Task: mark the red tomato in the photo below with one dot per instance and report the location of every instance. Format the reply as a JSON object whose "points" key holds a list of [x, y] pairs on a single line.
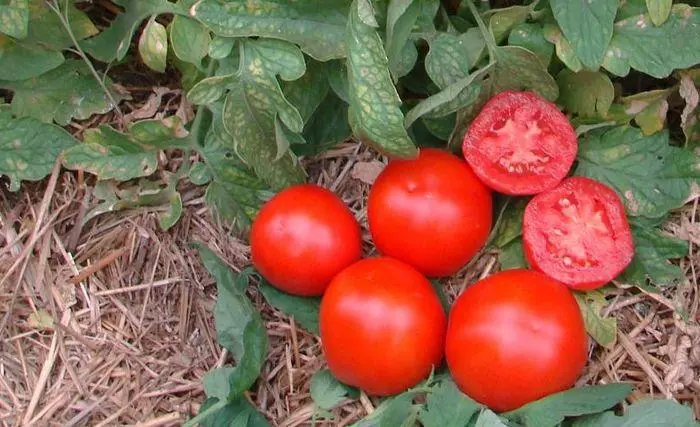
{"points": [[303, 237], [515, 337], [382, 326], [520, 144], [578, 233], [431, 212]]}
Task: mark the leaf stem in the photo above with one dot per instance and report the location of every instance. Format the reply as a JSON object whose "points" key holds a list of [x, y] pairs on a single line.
{"points": [[202, 415], [488, 38], [64, 21]]}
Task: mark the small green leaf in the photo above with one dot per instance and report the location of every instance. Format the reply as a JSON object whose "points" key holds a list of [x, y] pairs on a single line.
{"points": [[659, 10], [588, 26], [488, 418], [327, 127], [239, 327], [170, 217], [652, 250], [531, 37], [199, 174], [602, 329], [565, 52], [503, 20], [190, 40], [113, 43], [401, 17], [518, 68], [586, 93], [221, 47], [236, 413], [651, 176], [394, 411], [153, 46], [22, 60], [644, 413], [304, 310], [656, 51], [65, 93], [28, 148], [446, 406], [648, 109], [511, 223], [375, 116], [327, 391], [512, 256], [448, 59], [317, 26], [14, 18], [551, 410], [440, 127], [307, 93], [46, 29], [337, 73]]}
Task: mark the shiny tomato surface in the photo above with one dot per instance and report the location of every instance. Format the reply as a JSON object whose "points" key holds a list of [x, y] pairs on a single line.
{"points": [[382, 326], [515, 337], [520, 144], [302, 237], [578, 233], [431, 212]]}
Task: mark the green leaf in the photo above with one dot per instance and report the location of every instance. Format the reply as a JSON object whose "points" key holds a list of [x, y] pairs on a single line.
{"points": [[199, 174], [307, 93], [656, 51], [317, 26], [338, 79], [518, 68], [236, 413], [375, 116], [588, 26], [512, 256], [659, 10], [511, 223], [446, 406], [652, 250], [551, 410], [221, 47], [153, 46], [503, 20], [488, 418], [14, 18], [648, 109], [170, 217], [644, 413], [440, 127], [327, 127], [46, 29], [602, 329], [448, 59], [113, 155], [21, 60], [28, 148], [586, 93], [327, 391], [113, 43], [650, 176], [565, 52], [65, 93], [190, 40], [401, 17], [393, 411], [531, 37], [303, 310], [239, 327]]}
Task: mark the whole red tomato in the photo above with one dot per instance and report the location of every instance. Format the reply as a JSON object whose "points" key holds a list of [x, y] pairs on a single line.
{"points": [[382, 326], [302, 237], [431, 212], [515, 337], [520, 143]]}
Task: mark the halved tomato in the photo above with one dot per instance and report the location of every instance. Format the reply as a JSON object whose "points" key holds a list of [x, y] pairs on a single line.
{"points": [[520, 144], [578, 233]]}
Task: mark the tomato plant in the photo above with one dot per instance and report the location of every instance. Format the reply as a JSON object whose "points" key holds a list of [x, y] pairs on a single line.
{"points": [[578, 233], [382, 326], [302, 237], [431, 212], [515, 337], [520, 143]]}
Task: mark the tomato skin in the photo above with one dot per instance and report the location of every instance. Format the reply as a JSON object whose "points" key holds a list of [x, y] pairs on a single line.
{"points": [[520, 144], [594, 228], [382, 326], [302, 237], [431, 212], [515, 337]]}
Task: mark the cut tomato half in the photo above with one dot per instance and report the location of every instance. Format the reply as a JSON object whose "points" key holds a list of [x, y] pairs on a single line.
{"points": [[578, 233], [520, 144]]}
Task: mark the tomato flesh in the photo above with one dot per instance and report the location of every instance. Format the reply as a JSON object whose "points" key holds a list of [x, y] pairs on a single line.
{"points": [[520, 144], [302, 237], [515, 337], [578, 233], [382, 326]]}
